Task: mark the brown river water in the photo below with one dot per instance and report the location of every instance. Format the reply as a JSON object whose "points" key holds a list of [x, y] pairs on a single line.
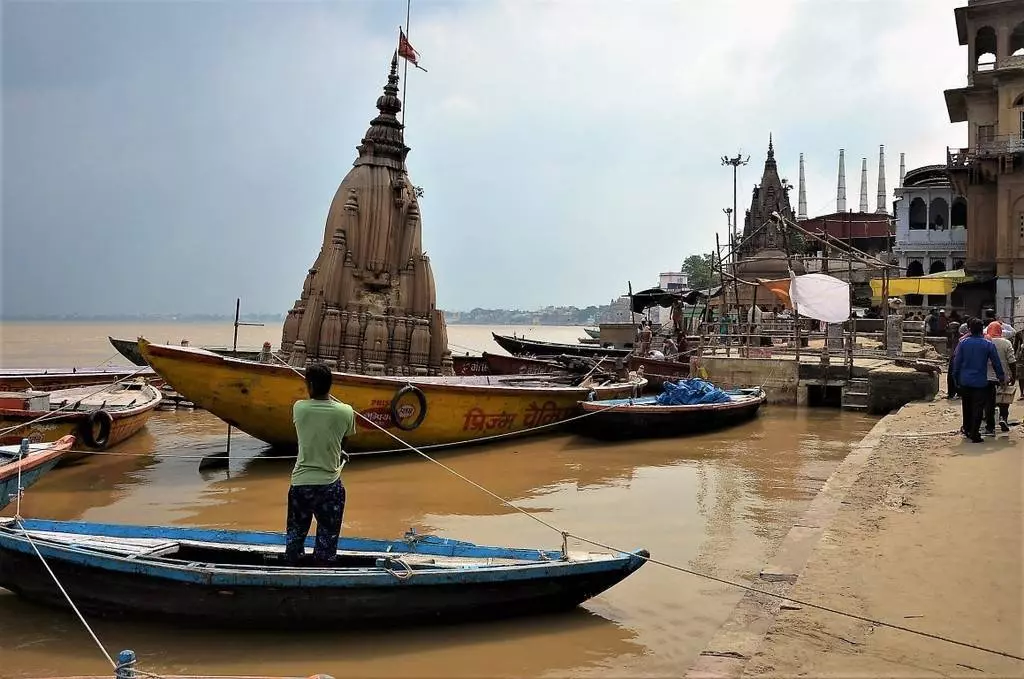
{"points": [[718, 503]]}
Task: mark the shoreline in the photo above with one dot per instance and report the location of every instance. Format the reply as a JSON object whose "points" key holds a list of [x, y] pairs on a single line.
{"points": [[912, 509]]}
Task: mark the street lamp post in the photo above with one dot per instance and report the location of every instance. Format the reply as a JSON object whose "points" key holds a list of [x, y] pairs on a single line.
{"points": [[735, 162]]}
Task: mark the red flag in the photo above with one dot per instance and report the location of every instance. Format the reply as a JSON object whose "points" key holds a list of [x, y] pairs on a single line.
{"points": [[406, 51]]}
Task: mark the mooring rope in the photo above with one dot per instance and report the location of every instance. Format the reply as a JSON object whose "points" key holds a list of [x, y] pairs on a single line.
{"points": [[566, 534], [70, 404]]}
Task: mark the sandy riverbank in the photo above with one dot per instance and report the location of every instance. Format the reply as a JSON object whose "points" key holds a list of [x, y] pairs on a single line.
{"points": [[929, 536]]}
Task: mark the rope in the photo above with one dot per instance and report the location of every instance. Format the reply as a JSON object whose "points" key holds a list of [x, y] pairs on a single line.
{"points": [[64, 407], [24, 531], [565, 535]]}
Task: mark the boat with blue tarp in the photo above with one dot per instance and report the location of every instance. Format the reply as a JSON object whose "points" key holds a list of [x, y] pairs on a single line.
{"points": [[684, 407], [231, 578]]}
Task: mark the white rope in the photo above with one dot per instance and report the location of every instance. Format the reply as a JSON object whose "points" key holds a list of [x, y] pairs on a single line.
{"points": [[17, 520], [74, 403]]}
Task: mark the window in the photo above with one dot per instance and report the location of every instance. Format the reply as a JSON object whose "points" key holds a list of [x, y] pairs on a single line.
{"points": [[986, 133]]}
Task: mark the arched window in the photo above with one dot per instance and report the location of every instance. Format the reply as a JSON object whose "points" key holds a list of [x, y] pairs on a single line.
{"points": [[985, 48], [1019, 101], [938, 266], [958, 213], [918, 214], [915, 268], [938, 214], [1016, 48]]}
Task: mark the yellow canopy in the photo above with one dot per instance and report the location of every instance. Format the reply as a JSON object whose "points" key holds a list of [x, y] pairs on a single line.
{"points": [[941, 283]]}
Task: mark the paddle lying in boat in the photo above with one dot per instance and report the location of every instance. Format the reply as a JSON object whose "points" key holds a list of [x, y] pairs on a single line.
{"points": [[645, 417], [27, 468], [238, 578]]}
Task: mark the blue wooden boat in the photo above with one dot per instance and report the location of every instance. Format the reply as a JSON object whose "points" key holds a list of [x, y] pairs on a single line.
{"points": [[644, 417], [30, 467], [228, 578]]}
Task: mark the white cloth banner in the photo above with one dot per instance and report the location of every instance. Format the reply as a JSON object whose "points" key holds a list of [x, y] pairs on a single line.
{"points": [[819, 296]]}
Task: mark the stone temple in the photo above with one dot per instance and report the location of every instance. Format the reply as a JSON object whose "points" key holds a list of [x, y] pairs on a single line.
{"points": [[368, 305]]}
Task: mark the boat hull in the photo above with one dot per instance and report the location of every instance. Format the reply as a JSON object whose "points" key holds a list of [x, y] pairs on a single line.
{"points": [[518, 346], [520, 365], [258, 398], [252, 596], [130, 350], [471, 365], [655, 421], [69, 378], [32, 468], [124, 424]]}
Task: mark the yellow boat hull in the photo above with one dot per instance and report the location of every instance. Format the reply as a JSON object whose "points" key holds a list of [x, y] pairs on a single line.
{"points": [[257, 398]]}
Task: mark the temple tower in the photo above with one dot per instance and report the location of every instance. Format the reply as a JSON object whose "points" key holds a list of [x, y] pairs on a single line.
{"points": [[801, 212], [841, 189], [881, 207], [367, 304]]}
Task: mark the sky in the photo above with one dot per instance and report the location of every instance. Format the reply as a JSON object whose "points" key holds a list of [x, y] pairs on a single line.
{"points": [[168, 157]]}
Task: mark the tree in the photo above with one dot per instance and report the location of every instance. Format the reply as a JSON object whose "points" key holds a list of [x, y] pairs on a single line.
{"points": [[699, 270]]}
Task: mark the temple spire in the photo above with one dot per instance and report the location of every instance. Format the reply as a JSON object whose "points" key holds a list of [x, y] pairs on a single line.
{"points": [[903, 168], [384, 143], [881, 208], [801, 212], [771, 147], [841, 191], [863, 184]]}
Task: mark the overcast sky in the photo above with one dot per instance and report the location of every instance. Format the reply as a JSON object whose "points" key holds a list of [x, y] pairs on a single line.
{"points": [[168, 157]]}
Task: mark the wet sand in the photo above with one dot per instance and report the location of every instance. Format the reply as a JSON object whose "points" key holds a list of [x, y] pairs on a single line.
{"points": [[719, 502]]}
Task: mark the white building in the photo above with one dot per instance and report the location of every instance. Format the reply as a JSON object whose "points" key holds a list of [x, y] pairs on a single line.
{"points": [[931, 226]]}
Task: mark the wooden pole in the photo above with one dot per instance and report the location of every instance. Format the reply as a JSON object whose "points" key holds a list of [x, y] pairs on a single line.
{"points": [[721, 277], [405, 68]]}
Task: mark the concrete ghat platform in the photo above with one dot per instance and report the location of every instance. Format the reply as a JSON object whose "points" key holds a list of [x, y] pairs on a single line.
{"points": [[736, 641], [885, 386]]}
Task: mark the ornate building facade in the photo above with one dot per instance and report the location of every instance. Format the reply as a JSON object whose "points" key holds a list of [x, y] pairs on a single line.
{"points": [[989, 172], [367, 304]]}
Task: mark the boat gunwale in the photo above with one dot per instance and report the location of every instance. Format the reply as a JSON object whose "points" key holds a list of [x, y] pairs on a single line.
{"points": [[170, 352], [35, 459], [75, 415]]}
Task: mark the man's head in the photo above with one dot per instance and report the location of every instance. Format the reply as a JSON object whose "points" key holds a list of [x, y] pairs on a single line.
{"points": [[318, 380], [942, 312], [976, 326], [994, 329]]}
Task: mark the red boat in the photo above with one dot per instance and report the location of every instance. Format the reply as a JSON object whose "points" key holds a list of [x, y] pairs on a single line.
{"points": [[471, 365], [520, 365], [660, 370]]}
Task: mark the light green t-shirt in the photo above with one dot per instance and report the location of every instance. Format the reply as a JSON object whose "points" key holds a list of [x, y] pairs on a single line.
{"points": [[320, 426]]}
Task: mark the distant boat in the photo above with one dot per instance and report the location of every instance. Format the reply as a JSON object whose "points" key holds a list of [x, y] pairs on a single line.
{"points": [[48, 379], [26, 470], [130, 350], [98, 420], [593, 332], [644, 417], [230, 578], [518, 346]]}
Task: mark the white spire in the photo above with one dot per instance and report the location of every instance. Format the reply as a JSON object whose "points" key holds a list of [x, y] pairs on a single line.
{"points": [[841, 193], [864, 185], [801, 212], [881, 209], [903, 169]]}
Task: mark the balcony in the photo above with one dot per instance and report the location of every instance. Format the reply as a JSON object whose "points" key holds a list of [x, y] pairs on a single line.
{"points": [[943, 238], [992, 147], [989, 69]]}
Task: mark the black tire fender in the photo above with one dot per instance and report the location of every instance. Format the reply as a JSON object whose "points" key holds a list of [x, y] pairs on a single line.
{"points": [[88, 429], [395, 402]]}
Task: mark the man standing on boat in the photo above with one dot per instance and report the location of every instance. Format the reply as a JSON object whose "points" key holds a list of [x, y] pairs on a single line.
{"points": [[322, 424]]}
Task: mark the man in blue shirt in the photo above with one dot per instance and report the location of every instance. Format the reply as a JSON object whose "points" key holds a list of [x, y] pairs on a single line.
{"points": [[970, 371]]}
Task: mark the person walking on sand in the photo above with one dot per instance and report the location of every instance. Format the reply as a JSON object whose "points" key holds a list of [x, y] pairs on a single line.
{"points": [[970, 370], [1002, 395], [322, 425]]}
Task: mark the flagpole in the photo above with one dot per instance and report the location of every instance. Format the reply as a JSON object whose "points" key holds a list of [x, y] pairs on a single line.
{"points": [[405, 68]]}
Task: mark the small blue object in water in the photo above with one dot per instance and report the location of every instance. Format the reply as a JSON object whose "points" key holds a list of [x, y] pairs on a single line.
{"points": [[691, 392]]}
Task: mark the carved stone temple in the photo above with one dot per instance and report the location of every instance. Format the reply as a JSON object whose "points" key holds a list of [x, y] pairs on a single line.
{"points": [[368, 304]]}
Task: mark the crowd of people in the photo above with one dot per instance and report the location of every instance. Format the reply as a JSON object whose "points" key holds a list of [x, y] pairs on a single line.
{"points": [[982, 373]]}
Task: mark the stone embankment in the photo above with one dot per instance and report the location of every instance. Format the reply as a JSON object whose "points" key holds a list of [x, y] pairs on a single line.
{"points": [[918, 528]]}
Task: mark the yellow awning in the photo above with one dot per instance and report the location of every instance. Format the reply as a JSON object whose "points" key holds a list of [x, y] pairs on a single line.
{"points": [[922, 285]]}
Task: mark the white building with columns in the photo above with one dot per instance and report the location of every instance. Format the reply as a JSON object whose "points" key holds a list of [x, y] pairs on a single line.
{"points": [[931, 226]]}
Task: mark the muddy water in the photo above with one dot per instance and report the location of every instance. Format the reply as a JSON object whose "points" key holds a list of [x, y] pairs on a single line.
{"points": [[719, 503]]}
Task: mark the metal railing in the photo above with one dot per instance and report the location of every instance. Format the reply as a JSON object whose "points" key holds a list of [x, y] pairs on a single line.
{"points": [[985, 148]]}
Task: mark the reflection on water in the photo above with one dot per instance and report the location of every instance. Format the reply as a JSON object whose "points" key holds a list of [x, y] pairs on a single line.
{"points": [[718, 502]]}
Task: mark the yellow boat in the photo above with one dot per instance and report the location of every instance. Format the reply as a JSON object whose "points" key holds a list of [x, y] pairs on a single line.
{"points": [[423, 411]]}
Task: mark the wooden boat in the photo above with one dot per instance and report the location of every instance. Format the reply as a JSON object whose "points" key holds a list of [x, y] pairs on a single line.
{"points": [[48, 379], [643, 417], [423, 411], [518, 346], [471, 365], [26, 470], [99, 420], [130, 350], [593, 332], [500, 364], [239, 578], [659, 370]]}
